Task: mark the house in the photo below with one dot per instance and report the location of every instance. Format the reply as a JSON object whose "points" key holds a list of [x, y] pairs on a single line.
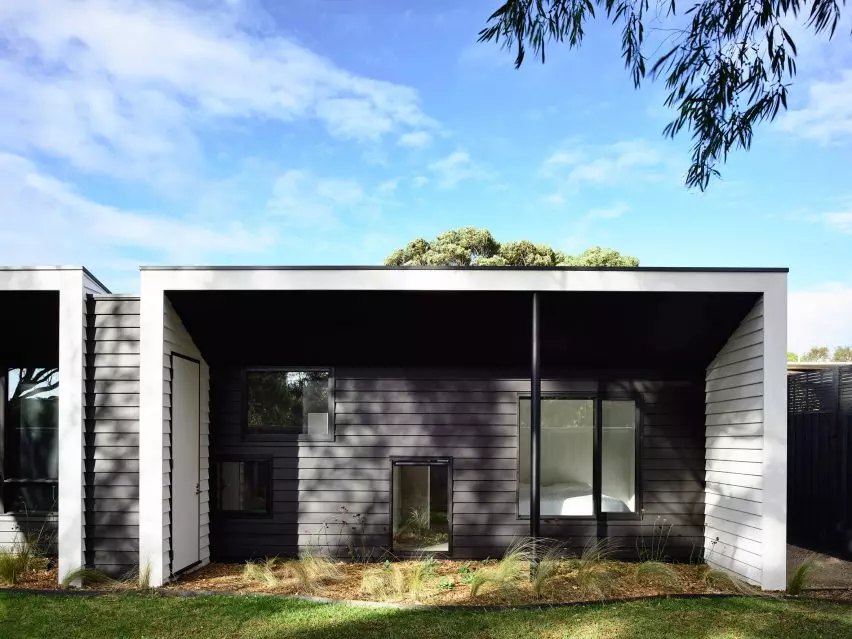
{"points": [[236, 412]]}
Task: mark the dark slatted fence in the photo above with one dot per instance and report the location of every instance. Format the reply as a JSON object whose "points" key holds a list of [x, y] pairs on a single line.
{"points": [[819, 448]]}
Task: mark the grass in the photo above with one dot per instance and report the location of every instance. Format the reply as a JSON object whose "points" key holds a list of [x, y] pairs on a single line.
{"points": [[802, 577], [658, 574], [121, 616], [15, 563], [513, 566]]}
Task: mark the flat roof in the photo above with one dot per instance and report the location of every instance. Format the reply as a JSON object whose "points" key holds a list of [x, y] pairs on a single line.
{"points": [[664, 269], [61, 267]]}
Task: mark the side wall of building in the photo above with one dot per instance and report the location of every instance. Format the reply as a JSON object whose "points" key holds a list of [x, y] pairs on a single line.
{"points": [[734, 501], [112, 434]]}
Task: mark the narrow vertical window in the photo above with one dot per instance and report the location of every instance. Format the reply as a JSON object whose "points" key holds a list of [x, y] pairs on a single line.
{"points": [[31, 437], [567, 457], [618, 456]]}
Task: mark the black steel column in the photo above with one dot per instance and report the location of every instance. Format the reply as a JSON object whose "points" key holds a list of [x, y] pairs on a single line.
{"points": [[535, 423]]}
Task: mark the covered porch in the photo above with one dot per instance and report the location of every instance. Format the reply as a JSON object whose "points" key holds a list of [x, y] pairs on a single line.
{"points": [[446, 372]]}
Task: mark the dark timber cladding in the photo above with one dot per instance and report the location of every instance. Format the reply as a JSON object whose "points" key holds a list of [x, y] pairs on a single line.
{"points": [[439, 375], [819, 450]]}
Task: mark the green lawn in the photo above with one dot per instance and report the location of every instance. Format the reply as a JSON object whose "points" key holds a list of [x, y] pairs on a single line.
{"points": [[140, 616]]}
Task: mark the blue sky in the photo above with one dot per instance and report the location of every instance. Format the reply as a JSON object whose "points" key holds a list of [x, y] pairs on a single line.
{"points": [[333, 131]]}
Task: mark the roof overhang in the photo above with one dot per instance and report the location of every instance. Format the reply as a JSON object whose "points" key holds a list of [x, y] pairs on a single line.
{"points": [[461, 279]]}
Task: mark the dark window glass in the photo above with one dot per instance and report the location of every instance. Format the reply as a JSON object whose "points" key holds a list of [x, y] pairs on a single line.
{"points": [[31, 426], [288, 401], [420, 508], [244, 486]]}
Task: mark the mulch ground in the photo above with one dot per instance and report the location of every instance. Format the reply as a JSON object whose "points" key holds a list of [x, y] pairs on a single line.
{"points": [[619, 582]]}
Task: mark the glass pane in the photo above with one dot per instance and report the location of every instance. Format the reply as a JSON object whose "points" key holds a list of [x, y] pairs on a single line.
{"points": [[243, 486], [291, 401], [420, 508], [32, 417], [618, 468], [28, 497], [567, 457]]}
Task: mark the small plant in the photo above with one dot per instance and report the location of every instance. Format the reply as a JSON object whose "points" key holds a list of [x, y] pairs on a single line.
{"points": [[144, 578], [511, 568], [385, 585], [311, 569], [549, 565], [722, 580], [261, 571], [386, 566], [598, 550], [419, 574], [86, 576], [802, 577], [447, 584], [658, 574], [16, 563], [465, 573], [654, 548]]}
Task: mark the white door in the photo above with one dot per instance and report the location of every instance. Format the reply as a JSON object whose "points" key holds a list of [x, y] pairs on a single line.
{"points": [[186, 383]]}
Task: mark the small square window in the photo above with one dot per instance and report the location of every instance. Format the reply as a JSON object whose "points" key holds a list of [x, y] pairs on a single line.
{"points": [[289, 401], [244, 487]]}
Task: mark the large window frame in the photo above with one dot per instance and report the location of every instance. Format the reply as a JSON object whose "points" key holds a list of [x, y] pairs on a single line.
{"points": [[597, 466], [278, 434], [9, 447], [441, 461], [242, 514]]}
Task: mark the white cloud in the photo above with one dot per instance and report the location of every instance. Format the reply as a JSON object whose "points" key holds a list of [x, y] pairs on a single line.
{"points": [[840, 221], [419, 181], [415, 139], [126, 88], [608, 213], [579, 165], [819, 317], [827, 115], [46, 221], [455, 168], [305, 200]]}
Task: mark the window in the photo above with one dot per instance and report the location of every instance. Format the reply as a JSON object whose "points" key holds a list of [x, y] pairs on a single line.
{"points": [[244, 487], [30, 420], [289, 401], [421, 505], [569, 460]]}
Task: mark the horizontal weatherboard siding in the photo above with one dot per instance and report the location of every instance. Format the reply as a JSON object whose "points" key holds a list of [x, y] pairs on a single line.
{"points": [[112, 434], [320, 487], [733, 503]]}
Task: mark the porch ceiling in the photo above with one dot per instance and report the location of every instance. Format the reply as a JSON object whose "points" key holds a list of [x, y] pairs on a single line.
{"points": [[29, 328], [654, 332]]}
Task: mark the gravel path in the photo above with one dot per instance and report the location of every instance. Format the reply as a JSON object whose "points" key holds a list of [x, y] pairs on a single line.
{"points": [[829, 572]]}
